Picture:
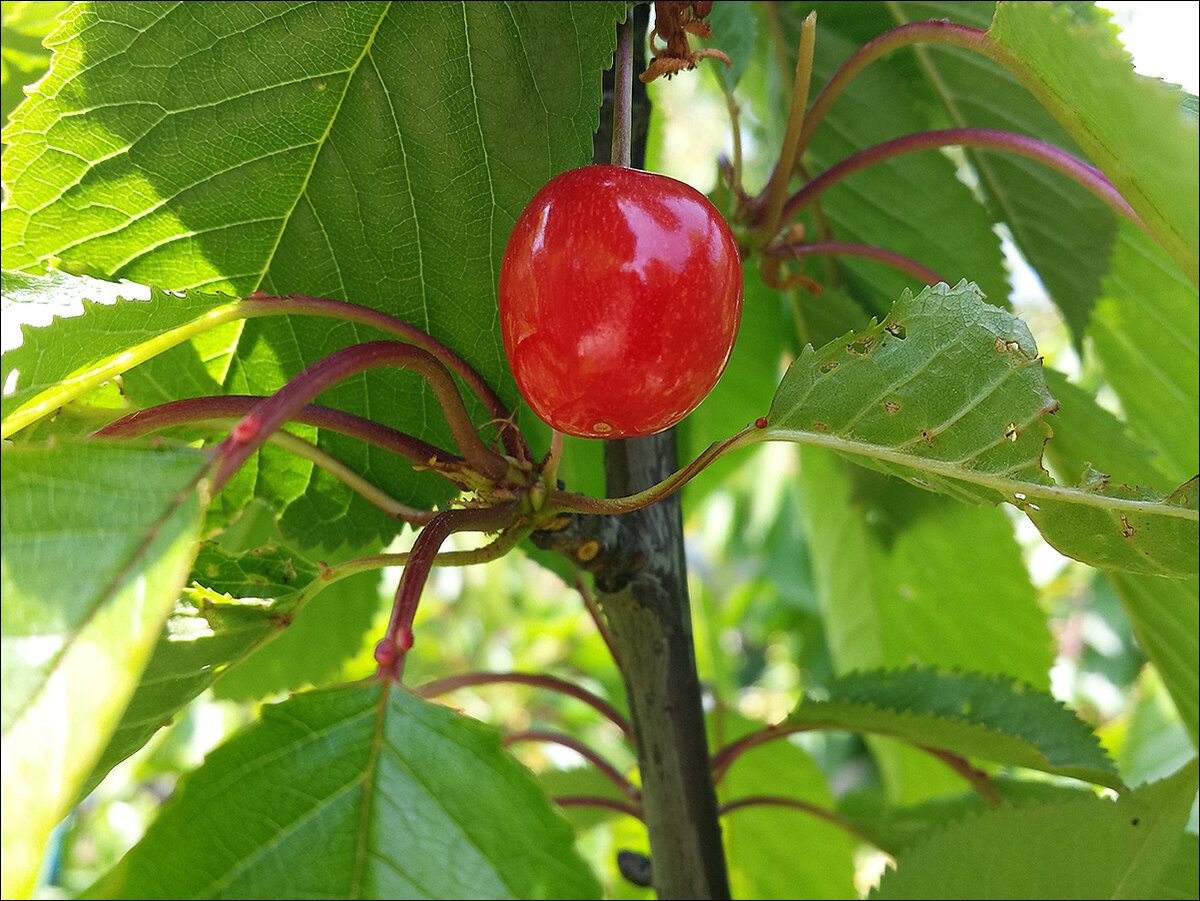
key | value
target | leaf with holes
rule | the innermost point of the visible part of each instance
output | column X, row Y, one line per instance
column 947, row 392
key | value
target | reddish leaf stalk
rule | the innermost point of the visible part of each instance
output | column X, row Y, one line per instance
column 268, row 305
column 941, row 31
column 390, row 652
column 989, row 139
column 567, row 502
column 235, row 406
column 271, row 413
column 634, row 811
column 724, row 758
column 820, row 812
column 866, row 251
column 975, row 777
column 606, row 769
column 537, row 680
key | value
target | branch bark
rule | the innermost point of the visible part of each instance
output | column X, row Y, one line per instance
column 650, row 620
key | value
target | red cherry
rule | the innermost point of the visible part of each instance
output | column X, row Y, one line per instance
column 620, row 297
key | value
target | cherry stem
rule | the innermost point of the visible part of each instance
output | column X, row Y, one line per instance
column 184, row 413
column 270, row 305
column 1087, row 176
column 567, row 502
column 390, row 652
column 252, row 432
column 538, row 680
column 775, row 801
column 350, row 478
column 622, row 125
column 507, row 540
column 634, row 811
column 866, row 251
column 606, row 769
column 235, row 406
column 776, row 188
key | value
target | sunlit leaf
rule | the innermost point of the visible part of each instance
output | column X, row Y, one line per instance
column 1145, row 331
column 101, row 330
column 372, row 153
column 1065, row 232
column 1131, row 126
column 98, row 540
column 207, row 631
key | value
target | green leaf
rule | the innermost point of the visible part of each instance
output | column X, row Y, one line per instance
column 1155, row 535
column 1064, row 231
column 896, row 829
column 1164, row 618
column 1145, row 334
column 1129, row 125
column 891, row 204
column 1090, row 439
column 768, row 846
column 735, row 30
column 357, row 792
column 97, row 542
column 251, row 598
column 948, row 394
column 985, row 717
column 906, row 576
column 1085, row 848
column 23, row 58
column 372, row 153
column 329, row 630
column 101, row 330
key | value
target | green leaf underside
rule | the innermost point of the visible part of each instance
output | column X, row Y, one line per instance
column 1131, row 126
column 972, row 715
column 889, row 204
column 1065, row 232
column 1146, row 333
column 1083, row 848
column 97, row 543
column 1164, row 618
column 103, row 330
column 376, row 153
column 896, row 829
column 357, row 792
column 251, row 596
column 947, row 392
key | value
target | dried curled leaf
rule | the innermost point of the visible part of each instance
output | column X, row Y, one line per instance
column 673, row 22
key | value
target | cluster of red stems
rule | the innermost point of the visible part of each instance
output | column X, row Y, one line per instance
column 505, row 489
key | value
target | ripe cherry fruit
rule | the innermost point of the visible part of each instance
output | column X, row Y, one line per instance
column 620, row 298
